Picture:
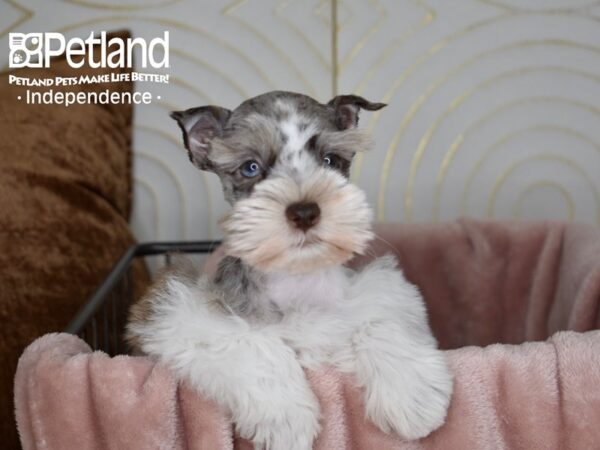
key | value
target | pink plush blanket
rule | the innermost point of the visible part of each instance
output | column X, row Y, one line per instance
column 483, row 282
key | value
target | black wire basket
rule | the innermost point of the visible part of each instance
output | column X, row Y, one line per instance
column 101, row 321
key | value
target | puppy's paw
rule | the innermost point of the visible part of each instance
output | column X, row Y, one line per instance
column 276, row 426
column 412, row 406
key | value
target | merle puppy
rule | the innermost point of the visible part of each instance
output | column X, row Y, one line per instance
column 282, row 300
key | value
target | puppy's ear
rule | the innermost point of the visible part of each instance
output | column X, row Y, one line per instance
column 347, row 107
column 200, row 126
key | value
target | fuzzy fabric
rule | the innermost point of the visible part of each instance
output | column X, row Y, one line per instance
column 483, row 282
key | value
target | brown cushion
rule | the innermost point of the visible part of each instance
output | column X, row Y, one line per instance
column 65, row 197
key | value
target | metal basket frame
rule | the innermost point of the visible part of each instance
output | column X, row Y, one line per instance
column 101, row 320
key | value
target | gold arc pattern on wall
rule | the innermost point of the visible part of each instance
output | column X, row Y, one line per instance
column 544, row 157
column 553, row 10
column 139, row 152
column 567, row 197
column 424, row 57
column 209, row 67
column 457, row 102
column 471, row 129
column 487, row 153
column 357, row 47
column 178, row 25
column 310, row 45
column 399, row 81
column 386, row 168
column 437, row 47
column 147, row 4
column 506, row 9
column 140, row 182
column 429, row 91
column 176, row 142
column 429, row 16
column 334, row 46
column 404, row 75
column 318, row 11
column 230, row 10
column 174, row 80
column 26, row 15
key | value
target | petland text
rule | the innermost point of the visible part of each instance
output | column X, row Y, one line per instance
column 37, row 49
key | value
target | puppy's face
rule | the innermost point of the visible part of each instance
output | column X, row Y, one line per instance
column 284, row 159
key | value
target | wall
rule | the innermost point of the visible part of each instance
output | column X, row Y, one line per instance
column 494, row 105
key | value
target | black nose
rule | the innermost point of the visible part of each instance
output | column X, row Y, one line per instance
column 303, row 215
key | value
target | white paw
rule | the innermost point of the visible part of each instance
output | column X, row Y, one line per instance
column 415, row 402
column 291, row 426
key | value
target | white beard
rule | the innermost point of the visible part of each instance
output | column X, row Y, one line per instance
column 258, row 232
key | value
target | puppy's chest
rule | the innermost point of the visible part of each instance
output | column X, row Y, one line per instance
column 305, row 292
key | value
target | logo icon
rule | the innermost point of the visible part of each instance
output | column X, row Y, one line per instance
column 25, row 50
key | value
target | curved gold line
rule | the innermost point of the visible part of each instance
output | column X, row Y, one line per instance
column 407, row 73
column 461, row 138
column 178, row 185
column 143, row 183
column 429, row 17
column 318, row 11
column 518, row 208
column 334, row 47
column 185, row 55
column 27, row 14
column 553, row 10
column 416, row 105
column 545, row 157
column 180, row 25
column 207, row 189
column 350, row 17
column 168, row 137
column 326, row 20
column 492, row 149
column 98, row 5
column 382, row 13
column 233, row 6
column 185, row 85
column 437, row 47
column 168, row 105
column 418, row 155
column 228, row 10
column 278, row 9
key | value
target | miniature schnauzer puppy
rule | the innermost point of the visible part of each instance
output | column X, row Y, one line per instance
column 282, row 300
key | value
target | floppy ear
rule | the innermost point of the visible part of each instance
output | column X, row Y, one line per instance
column 347, row 107
column 199, row 126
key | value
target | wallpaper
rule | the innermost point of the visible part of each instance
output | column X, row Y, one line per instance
column 493, row 105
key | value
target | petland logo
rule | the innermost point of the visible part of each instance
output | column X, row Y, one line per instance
column 37, row 49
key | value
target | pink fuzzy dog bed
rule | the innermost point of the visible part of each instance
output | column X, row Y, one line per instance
column 486, row 284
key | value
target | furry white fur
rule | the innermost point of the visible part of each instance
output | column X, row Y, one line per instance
column 373, row 324
column 306, row 308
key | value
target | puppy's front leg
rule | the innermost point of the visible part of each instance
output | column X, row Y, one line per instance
column 247, row 370
column 394, row 356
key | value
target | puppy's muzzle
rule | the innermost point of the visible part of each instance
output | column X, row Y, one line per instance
column 303, row 215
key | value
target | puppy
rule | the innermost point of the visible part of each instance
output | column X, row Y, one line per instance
column 282, row 300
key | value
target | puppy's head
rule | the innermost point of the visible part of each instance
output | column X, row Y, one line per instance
column 284, row 160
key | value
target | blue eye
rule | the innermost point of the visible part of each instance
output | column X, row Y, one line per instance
column 250, row 169
column 330, row 159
